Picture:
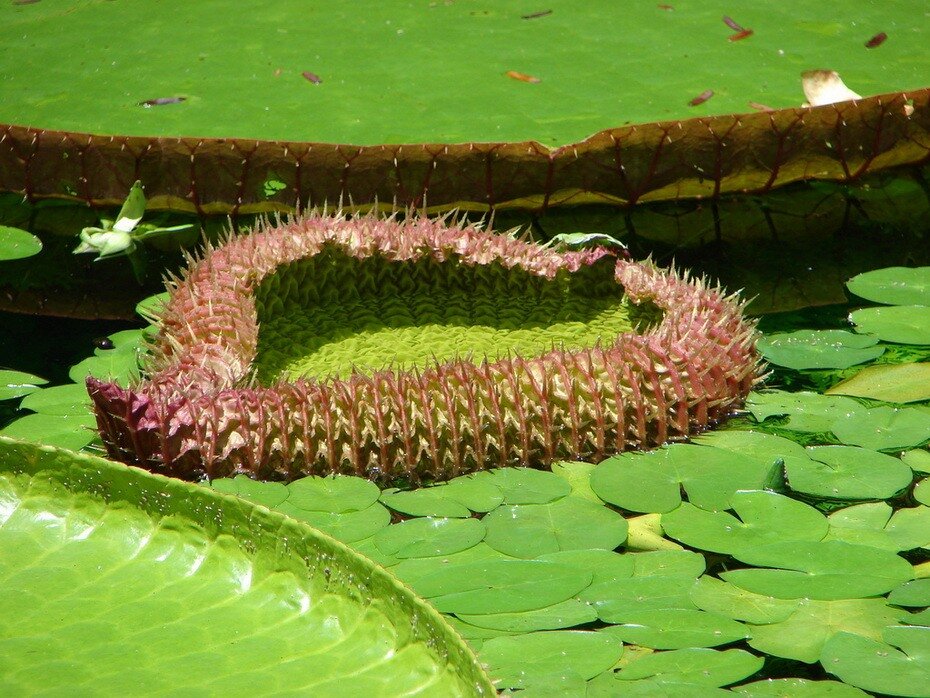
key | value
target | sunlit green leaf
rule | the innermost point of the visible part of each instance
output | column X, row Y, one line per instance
column 900, row 665
column 798, row 688
column 807, row 349
column 913, row 593
column 893, row 285
column 605, row 565
column 17, row 244
column 430, row 536
column 890, row 383
column 72, row 432
column 876, row 524
column 71, row 398
column 670, row 629
column 903, row 324
column 694, row 664
column 711, row 594
column 566, row 614
column 14, row 384
column 848, row 472
column 884, row 428
column 336, row 493
column 529, row 486
column 428, row 501
column 570, row 523
column 807, row 412
column 271, row 494
column 619, row 600
column 347, row 527
column 150, row 308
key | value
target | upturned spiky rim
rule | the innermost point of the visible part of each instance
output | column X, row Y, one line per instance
column 197, row 414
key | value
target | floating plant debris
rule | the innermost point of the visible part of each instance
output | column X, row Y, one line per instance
column 740, row 35
column 312, row 77
column 876, row 40
column 161, row 101
column 733, row 24
column 536, row 15
column 701, row 98
column 760, row 107
column 522, row 77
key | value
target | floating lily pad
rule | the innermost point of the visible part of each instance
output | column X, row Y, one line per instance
column 72, row 432
column 918, row 460
column 670, row 629
column 713, row 595
column 698, row 665
column 922, row 491
column 756, row 444
column 605, row 565
column 120, row 364
column 764, row 517
column 902, row 324
column 500, row 586
column 17, row 244
column 652, row 481
column 807, row 349
column 524, row 660
column 878, row 525
column 826, row 570
column 570, row 523
column 429, row 501
column 607, row 685
column 529, row 486
column 14, row 384
column 668, row 562
column 565, row 614
column 898, row 666
column 411, row 569
column 891, row 383
column 181, row 587
column 271, row 494
column 893, row 285
column 913, row 593
column 798, row 688
column 884, row 428
column 578, row 475
column 622, row 599
column 803, row 634
column 61, row 400
column 848, row 472
column 337, row 493
column 347, row 527
column 807, row 412
column 150, row 308
column 430, row 536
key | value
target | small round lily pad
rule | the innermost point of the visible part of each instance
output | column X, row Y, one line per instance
column 893, row 285
column 808, row 349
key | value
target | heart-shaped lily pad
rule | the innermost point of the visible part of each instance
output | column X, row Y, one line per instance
column 893, row 285
column 806, row 349
column 903, row 324
column 203, row 587
column 899, row 665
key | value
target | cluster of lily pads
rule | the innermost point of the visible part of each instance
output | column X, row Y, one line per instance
column 787, row 554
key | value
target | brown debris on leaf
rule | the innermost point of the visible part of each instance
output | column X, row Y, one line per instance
column 825, row 87
column 522, row 77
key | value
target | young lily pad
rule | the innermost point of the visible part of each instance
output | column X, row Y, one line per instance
column 902, row 324
column 607, row 685
column 529, row 486
column 428, row 536
column 713, row 595
column 884, row 428
column 698, row 665
column 476, row 491
column 14, row 384
column 922, row 491
column 181, row 588
column 347, row 527
column 913, row 593
column 752, row 443
column 578, row 475
column 900, row 665
column 677, row 628
column 878, row 525
column 798, row 688
column 807, row 412
column 271, row 494
column 500, row 586
column 764, row 517
column 605, row 565
column 413, row 568
column 807, row 349
column 17, row 244
column 62, row 400
column 150, row 308
column 918, row 460
column 668, row 562
column 523, row 660
column 803, row 634
column 622, row 599
column 72, row 432
column 570, row 523
column 120, row 363
column 826, row 570
column 337, row 494
column 565, row 614
column 652, row 481
column 848, row 472
column 899, row 383
column 427, row 501
column 893, row 285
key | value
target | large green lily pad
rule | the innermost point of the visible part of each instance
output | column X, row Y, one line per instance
column 115, row 580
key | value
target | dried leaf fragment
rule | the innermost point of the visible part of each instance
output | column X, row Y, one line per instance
column 536, row 15
column 701, row 98
column 760, row 107
column 738, row 36
column 160, row 101
column 825, row 87
column 876, row 40
column 733, row 24
column 522, row 77
column 312, row 77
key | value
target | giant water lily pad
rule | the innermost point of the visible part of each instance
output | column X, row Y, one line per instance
column 201, row 592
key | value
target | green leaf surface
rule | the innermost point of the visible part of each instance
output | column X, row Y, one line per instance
column 652, row 481
column 807, row 412
column 500, row 586
column 918, row 460
column 898, row 666
column 826, row 571
column 412, row 569
column 605, row 565
column 699, row 665
column 884, row 428
column 271, row 494
column 578, row 475
column 623, row 599
column 922, row 491
column 670, row 629
column 477, row 491
column 763, row 517
column 424, row 502
column 119, row 364
column 347, row 527
column 607, row 685
column 151, row 307
column 877, row 525
column 848, row 472
column 803, row 634
column 891, row 383
column 199, row 594
column 14, row 384
column 524, row 660
column 565, row 614
column 337, row 493
column 429, row 537
column 902, row 324
column 61, row 400
column 570, row 523
column 798, row 688
column 893, row 285
column 529, row 486
column 72, row 432
column 807, row 349
column 713, row 595
column 17, row 244
column 913, row 593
